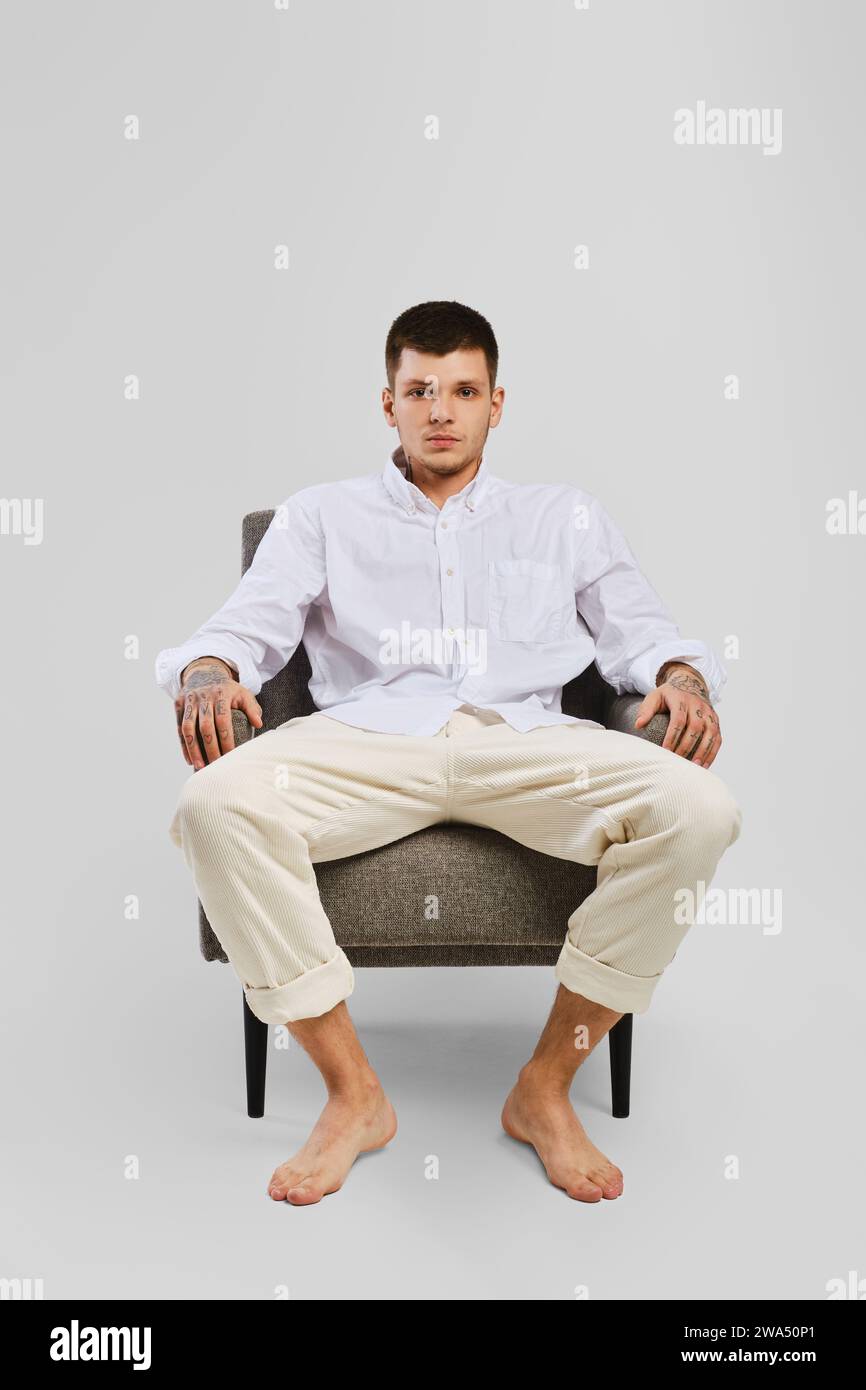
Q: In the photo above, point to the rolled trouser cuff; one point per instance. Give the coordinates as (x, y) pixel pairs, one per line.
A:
(309, 996)
(626, 994)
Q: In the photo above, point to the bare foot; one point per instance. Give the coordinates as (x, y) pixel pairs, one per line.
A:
(350, 1124)
(544, 1118)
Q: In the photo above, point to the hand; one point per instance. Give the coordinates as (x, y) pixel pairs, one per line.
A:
(693, 731)
(208, 694)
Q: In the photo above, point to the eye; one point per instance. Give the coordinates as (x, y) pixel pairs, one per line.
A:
(416, 389)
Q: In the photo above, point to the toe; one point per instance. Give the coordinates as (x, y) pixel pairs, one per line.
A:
(609, 1179)
(277, 1191)
(584, 1191)
(303, 1193)
(282, 1180)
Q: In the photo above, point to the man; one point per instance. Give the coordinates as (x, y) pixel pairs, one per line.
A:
(442, 610)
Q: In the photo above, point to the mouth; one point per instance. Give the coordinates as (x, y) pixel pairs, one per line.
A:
(442, 441)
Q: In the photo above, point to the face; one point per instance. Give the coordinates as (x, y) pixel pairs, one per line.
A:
(442, 408)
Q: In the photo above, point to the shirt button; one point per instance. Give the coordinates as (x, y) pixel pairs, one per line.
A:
(444, 524)
(449, 571)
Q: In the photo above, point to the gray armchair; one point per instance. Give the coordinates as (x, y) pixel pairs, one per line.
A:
(499, 902)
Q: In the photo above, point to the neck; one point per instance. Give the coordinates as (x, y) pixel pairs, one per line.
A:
(439, 487)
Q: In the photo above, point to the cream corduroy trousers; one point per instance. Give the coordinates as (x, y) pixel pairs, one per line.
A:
(253, 823)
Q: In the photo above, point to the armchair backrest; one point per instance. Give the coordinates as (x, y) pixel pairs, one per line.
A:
(287, 695)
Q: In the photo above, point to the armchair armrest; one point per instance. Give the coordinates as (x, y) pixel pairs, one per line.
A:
(241, 728)
(620, 712)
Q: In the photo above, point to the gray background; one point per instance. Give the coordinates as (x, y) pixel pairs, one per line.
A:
(156, 257)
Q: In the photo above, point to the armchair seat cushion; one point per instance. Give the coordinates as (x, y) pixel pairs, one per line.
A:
(453, 884)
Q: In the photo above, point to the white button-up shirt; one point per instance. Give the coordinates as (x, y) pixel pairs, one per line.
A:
(409, 611)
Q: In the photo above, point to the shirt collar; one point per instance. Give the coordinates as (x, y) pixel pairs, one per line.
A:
(409, 495)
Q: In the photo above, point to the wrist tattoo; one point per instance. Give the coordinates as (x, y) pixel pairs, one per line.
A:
(684, 680)
(206, 675)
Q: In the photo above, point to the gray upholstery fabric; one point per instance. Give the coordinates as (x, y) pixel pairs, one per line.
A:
(498, 902)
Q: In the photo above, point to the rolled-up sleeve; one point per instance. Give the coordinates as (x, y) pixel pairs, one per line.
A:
(633, 630)
(259, 626)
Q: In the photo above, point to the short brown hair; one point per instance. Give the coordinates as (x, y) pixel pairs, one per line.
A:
(440, 326)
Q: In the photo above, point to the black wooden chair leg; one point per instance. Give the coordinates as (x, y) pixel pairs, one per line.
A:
(619, 1042)
(256, 1054)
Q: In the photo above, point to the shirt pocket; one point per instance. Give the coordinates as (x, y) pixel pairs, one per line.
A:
(528, 601)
